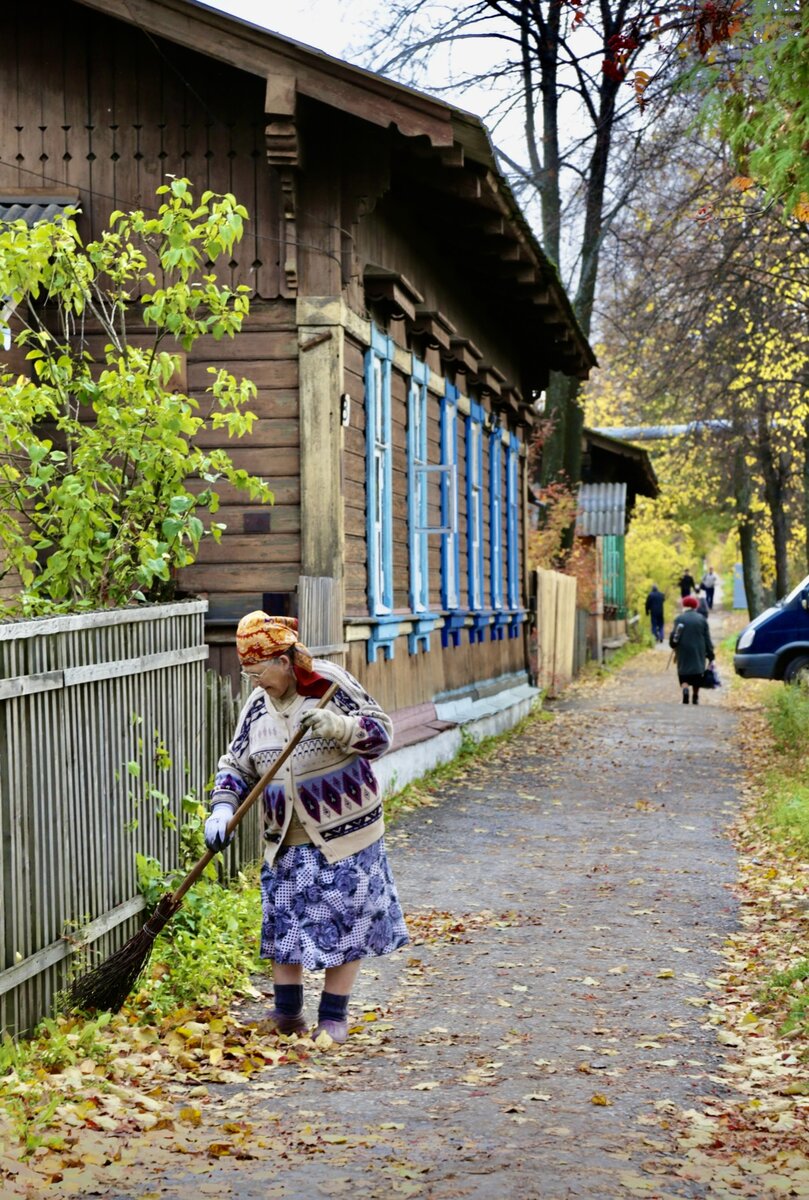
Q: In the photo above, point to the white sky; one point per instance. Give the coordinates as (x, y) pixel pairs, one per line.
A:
(330, 25)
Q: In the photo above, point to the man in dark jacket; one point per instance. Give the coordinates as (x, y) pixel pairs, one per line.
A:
(691, 642)
(686, 584)
(654, 607)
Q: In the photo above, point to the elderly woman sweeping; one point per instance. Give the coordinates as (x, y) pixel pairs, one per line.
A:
(328, 896)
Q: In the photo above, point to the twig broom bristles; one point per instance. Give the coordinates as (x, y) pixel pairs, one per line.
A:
(106, 987)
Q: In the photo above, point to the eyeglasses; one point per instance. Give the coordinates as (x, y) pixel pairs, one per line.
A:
(252, 676)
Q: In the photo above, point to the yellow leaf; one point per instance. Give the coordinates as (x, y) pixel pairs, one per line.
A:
(220, 1149)
(742, 183)
(666, 973)
(801, 209)
(425, 1087)
(600, 1098)
(191, 1116)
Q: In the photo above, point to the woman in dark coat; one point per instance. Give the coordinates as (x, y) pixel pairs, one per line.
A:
(691, 642)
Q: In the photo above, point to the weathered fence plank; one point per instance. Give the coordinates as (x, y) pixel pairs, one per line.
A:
(81, 697)
(556, 628)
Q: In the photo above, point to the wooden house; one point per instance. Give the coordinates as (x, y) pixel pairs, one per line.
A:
(403, 319)
(614, 474)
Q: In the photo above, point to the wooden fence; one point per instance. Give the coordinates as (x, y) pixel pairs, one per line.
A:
(555, 629)
(95, 710)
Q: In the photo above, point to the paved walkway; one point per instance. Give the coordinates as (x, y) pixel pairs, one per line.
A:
(570, 897)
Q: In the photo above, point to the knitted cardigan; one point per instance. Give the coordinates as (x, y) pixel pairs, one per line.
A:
(332, 788)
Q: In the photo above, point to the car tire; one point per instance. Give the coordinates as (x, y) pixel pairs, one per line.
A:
(797, 669)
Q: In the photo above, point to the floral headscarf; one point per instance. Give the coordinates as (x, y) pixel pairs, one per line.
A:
(260, 637)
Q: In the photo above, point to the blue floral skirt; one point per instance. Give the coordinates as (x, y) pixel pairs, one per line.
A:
(323, 914)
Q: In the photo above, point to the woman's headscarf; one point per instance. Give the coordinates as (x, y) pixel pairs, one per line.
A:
(260, 637)
(690, 602)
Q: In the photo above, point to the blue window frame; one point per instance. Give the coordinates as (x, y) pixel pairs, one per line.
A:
(417, 513)
(496, 516)
(474, 506)
(513, 535)
(502, 618)
(454, 614)
(450, 595)
(379, 484)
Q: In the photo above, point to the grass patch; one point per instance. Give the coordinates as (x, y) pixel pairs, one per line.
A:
(787, 711)
(785, 784)
(785, 993)
(786, 809)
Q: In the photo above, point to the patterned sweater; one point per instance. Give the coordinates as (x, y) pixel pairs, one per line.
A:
(332, 789)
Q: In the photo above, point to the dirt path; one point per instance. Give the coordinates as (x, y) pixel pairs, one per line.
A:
(570, 900)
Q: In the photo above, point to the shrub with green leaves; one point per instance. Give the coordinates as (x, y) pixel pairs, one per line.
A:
(788, 714)
(97, 448)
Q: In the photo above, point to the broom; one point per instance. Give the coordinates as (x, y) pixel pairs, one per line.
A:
(106, 987)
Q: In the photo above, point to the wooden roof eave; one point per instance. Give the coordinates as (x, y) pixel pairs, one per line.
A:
(460, 137)
(259, 52)
(472, 136)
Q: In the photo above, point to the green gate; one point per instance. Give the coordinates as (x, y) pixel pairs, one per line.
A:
(614, 562)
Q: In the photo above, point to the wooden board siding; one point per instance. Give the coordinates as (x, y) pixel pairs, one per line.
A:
(465, 664)
(408, 680)
(89, 103)
(260, 551)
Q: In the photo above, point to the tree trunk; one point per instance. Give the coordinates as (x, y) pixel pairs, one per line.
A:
(548, 180)
(563, 448)
(774, 489)
(593, 234)
(751, 562)
(751, 567)
(806, 489)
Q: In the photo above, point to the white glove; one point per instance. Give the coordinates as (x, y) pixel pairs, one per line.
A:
(216, 827)
(330, 725)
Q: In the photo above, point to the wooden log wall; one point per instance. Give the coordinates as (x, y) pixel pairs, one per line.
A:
(260, 552)
(91, 104)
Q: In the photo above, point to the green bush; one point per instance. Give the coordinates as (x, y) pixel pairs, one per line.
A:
(96, 452)
(787, 711)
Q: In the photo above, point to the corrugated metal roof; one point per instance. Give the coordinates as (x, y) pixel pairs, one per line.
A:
(34, 208)
(602, 510)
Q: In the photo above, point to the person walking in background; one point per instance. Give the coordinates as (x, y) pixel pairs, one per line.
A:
(686, 584)
(654, 609)
(329, 899)
(708, 585)
(690, 639)
(702, 605)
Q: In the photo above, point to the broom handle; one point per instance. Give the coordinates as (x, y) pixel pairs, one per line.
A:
(248, 802)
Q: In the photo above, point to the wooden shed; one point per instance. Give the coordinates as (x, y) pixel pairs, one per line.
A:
(403, 319)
